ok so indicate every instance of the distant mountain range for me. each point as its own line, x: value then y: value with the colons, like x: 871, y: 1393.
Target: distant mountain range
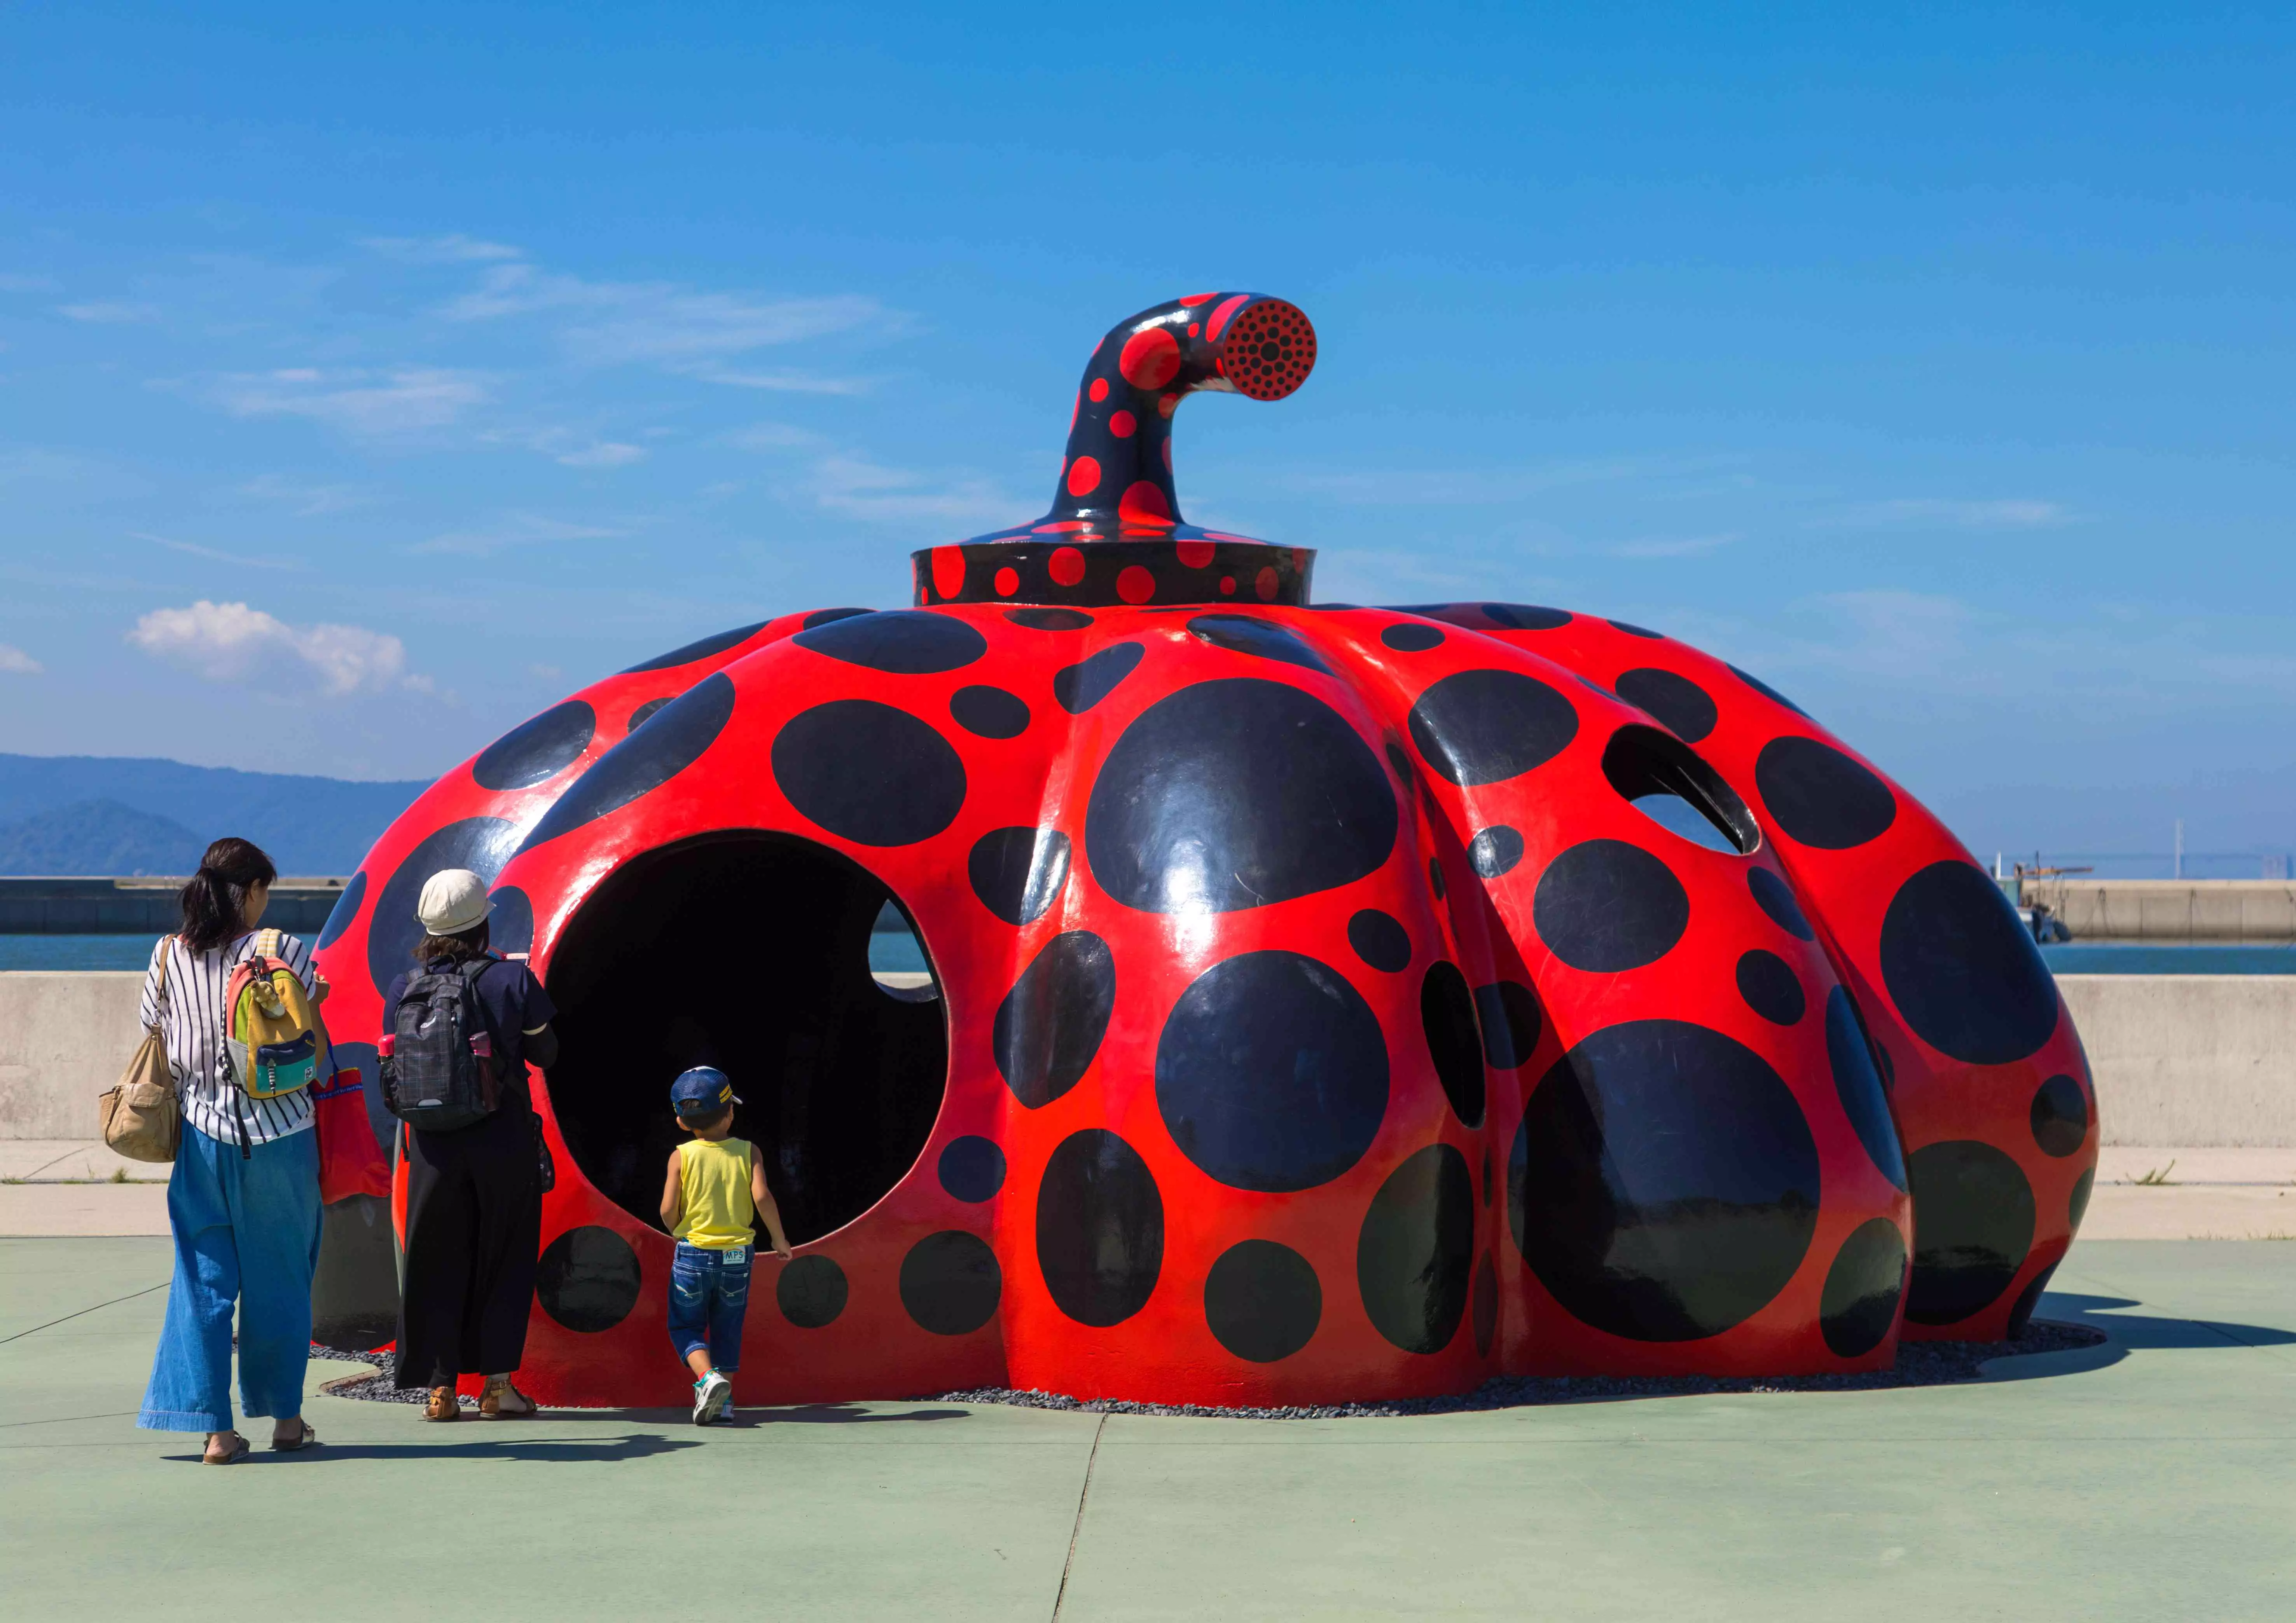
x: 84, y: 813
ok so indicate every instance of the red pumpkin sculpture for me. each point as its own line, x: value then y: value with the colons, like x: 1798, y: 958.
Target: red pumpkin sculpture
x: 1328, y: 1002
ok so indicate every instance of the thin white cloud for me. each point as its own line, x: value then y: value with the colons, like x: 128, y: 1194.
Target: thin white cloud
x: 454, y: 249
x: 16, y: 662
x: 513, y: 530
x: 16, y: 282
x: 663, y: 324
x: 367, y: 404
x: 605, y: 453
x: 234, y: 643
x: 1475, y: 486
x: 784, y: 382
x: 304, y: 501
x: 213, y: 554
x: 108, y: 311
x: 32, y: 463
x: 855, y: 486
x: 2015, y: 513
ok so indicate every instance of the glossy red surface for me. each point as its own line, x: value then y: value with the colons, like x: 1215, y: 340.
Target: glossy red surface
x: 1319, y: 1017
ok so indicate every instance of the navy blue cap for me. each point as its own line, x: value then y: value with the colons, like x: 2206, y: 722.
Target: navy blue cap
x: 703, y: 1091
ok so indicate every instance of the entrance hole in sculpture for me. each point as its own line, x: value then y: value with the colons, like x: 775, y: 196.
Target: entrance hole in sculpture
x: 750, y: 952
x: 1665, y: 780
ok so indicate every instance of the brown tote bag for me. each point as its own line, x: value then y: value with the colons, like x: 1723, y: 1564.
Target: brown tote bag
x: 140, y: 1117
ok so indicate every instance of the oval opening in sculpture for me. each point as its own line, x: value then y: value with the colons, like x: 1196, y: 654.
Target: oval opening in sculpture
x: 1663, y: 778
x: 749, y: 952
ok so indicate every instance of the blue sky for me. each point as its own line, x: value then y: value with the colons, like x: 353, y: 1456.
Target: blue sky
x: 1933, y: 362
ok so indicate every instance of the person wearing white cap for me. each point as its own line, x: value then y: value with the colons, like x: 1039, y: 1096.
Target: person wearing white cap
x: 474, y: 1194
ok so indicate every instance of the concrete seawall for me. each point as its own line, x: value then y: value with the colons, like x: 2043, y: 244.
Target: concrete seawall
x: 2197, y: 1060
x: 2257, y: 911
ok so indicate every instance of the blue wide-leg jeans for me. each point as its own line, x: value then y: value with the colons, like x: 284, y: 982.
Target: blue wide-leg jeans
x: 247, y: 1233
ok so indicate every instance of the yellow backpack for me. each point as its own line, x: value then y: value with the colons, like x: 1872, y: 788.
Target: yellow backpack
x: 271, y: 1032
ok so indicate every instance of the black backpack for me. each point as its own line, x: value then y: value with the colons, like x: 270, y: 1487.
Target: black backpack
x: 440, y: 1074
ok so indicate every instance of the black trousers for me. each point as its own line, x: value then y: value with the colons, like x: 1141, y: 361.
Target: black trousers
x: 473, y: 1224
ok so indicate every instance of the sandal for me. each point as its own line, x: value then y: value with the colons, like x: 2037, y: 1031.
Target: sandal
x: 443, y: 1405
x: 502, y: 1401
x: 299, y: 1443
x: 240, y: 1449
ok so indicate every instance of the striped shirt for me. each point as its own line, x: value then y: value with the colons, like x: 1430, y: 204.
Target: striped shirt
x: 191, y: 1023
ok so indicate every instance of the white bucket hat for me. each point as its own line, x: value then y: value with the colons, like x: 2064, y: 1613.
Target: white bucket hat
x: 453, y: 900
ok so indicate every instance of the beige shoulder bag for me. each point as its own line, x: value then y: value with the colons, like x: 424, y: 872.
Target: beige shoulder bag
x: 140, y: 1117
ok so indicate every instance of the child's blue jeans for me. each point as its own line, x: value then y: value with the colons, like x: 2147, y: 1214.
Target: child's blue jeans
x: 247, y: 1233
x: 708, y: 1294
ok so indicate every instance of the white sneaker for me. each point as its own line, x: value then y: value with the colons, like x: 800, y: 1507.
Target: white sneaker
x: 713, y: 1394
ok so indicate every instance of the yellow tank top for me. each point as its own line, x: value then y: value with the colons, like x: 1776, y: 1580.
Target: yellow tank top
x: 714, y: 1182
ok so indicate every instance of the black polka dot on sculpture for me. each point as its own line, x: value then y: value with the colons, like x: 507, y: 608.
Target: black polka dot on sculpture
x: 1411, y: 637
x: 1081, y: 686
x: 706, y: 646
x: 536, y: 749
x: 1484, y: 1308
x: 587, y: 1279
x: 1664, y: 1183
x: 1526, y: 616
x: 1675, y: 702
x: 1262, y: 639
x: 510, y: 927
x: 811, y: 1292
x: 1963, y: 969
x: 1435, y: 882
x: 1486, y: 727
x: 867, y: 772
x: 1606, y: 905
x: 1401, y: 764
x: 646, y: 712
x: 1049, y: 620
x: 1495, y: 850
x: 2020, y: 1312
x: 1776, y: 898
x: 1849, y: 1053
x: 1633, y: 630
x: 1770, y: 988
x: 644, y: 761
x: 1379, y: 940
x: 989, y: 712
x: 950, y: 1283
x: 1447, y: 1017
x: 1819, y: 796
x: 1859, y: 1302
x: 1100, y: 1228
x: 480, y: 844
x: 1233, y: 794
x: 344, y: 910
x: 1416, y: 1249
x: 971, y: 1169
x: 824, y: 616
x: 1262, y: 1302
x: 1765, y: 690
x: 1018, y: 872
x: 1271, y: 1072
x: 2060, y: 1116
x: 1974, y: 1223
x: 1048, y: 1028
x: 2076, y: 1203
x: 1512, y: 1021
x: 903, y: 642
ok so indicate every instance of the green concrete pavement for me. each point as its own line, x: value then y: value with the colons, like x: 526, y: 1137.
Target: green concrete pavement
x: 2153, y: 1478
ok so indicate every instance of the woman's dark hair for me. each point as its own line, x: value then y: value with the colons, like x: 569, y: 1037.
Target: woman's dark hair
x: 456, y: 948
x: 215, y: 901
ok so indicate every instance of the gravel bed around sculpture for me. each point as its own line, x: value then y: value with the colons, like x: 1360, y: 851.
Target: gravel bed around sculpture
x: 1919, y: 1363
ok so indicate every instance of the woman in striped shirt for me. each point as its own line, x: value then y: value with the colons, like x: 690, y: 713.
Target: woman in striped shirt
x: 244, y: 1200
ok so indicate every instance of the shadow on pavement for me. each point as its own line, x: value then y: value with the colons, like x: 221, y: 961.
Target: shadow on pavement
x: 802, y: 1413
x: 569, y: 1451
x: 2102, y: 1312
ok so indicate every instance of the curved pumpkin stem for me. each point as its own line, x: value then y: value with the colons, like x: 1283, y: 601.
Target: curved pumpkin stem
x: 1119, y: 467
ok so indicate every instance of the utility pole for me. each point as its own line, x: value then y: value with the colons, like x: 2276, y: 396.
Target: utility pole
x: 2180, y: 849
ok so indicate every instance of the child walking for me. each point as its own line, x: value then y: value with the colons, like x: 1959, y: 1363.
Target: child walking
x: 717, y: 1187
